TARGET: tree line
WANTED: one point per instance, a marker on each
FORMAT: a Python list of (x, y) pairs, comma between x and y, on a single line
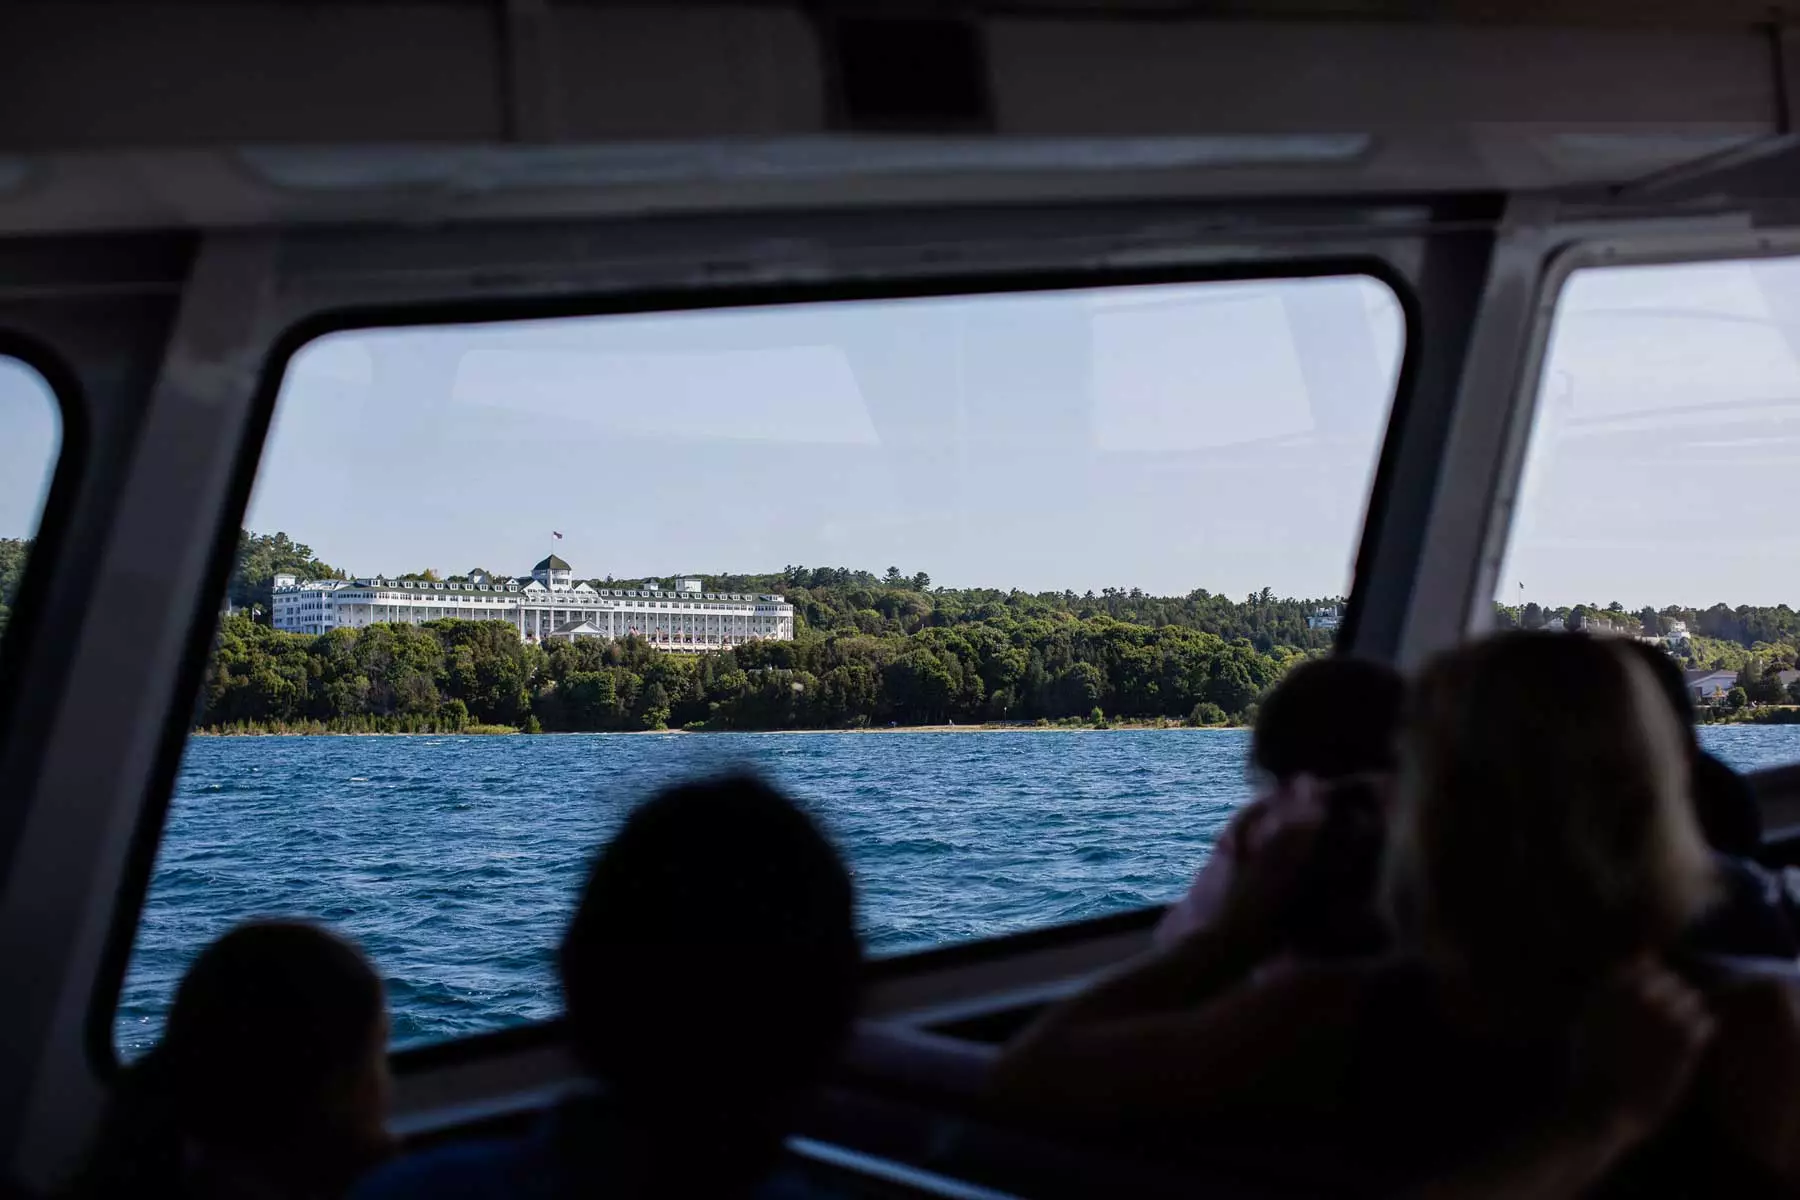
[(838, 599), (13, 553), (1744, 626), (1757, 642), (454, 673), (870, 649)]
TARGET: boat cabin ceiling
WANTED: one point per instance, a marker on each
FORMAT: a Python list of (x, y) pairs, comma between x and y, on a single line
[(189, 192), (258, 113)]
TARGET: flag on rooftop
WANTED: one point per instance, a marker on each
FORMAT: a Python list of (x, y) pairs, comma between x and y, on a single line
[(556, 535)]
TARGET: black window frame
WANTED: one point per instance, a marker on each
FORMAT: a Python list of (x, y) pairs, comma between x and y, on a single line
[(133, 890), (1599, 253), (54, 516)]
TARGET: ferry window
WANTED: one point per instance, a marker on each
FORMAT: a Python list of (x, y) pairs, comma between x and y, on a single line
[(1657, 494), (992, 583), (30, 437)]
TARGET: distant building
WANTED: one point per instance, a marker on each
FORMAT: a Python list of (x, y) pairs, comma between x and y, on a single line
[(547, 604), (1677, 638), (1328, 618), (1706, 684)]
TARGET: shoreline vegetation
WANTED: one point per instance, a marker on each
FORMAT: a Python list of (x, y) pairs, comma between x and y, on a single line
[(870, 652), (1769, 715), (339, 729)]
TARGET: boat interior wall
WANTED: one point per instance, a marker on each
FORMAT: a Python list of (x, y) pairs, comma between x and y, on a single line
[(156, 514), (171, 231), (462, 111)]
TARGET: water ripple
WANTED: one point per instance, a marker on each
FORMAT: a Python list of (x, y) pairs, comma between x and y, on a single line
[(454, 860)]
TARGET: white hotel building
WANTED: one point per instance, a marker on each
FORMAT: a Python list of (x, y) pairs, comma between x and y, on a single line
[(545, 606)]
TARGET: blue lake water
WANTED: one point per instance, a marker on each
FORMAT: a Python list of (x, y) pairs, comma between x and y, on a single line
[(454, 860)]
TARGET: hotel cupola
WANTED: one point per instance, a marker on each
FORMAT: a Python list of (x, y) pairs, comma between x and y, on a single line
[(553, 573)]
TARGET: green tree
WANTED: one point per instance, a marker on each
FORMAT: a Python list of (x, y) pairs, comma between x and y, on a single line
[(1768, 690), (1234, 681), (869, 649), (13, 554), (1206, 713), (1080, 689), (654, 710), (259, 557), (589, 702), (1736, 698), (919, 688)]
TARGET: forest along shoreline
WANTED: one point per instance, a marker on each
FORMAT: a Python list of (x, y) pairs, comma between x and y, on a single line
[(302, 730), (870, 653)]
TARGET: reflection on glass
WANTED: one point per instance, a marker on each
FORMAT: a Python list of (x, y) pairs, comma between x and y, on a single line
[(907, 558), (1658, 489)]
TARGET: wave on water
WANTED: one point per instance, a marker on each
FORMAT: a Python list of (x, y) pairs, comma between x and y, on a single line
[(454, 861)]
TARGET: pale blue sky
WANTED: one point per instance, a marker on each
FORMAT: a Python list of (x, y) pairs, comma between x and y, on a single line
[(1664, 465), (30, 433), (1166, 437)]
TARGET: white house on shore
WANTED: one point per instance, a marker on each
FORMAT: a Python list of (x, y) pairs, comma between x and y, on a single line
[(1706, 684), (543, 606)]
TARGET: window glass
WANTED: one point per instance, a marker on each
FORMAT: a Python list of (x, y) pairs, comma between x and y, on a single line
[(30, 436), (997, 581), (1657, 495)]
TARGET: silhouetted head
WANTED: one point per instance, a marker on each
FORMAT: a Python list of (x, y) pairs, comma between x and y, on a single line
[(1337, 720), (1329, 718), (272, 1067), (712, 964), (1671, 683), (1543, 831), (1726, 807)]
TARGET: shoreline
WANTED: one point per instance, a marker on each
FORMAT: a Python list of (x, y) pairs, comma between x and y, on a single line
[(1120, 727)]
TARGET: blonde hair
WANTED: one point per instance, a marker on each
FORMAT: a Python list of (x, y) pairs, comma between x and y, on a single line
[(1544, 829)]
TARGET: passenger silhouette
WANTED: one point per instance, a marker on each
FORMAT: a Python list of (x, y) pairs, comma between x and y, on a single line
[(1327, 730), (710, 975), (1753, 913), (269, 1081), (1331, 718), (1543, 861), (1724, 804)]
